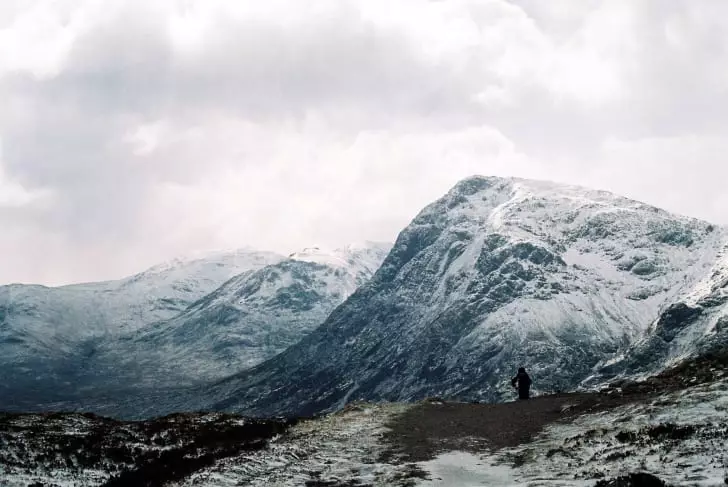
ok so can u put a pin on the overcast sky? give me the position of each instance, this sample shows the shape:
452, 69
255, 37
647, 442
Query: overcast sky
133, 131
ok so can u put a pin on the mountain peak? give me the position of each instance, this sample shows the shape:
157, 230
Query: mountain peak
522, 190
340, 257
218, 255
478, 183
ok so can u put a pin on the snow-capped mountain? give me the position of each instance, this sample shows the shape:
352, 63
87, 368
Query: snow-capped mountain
571, 283
497, 274
259, 312
250, 318
44, 330
51, 314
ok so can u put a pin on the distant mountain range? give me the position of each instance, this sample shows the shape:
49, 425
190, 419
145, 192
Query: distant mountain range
579, 286
176, 324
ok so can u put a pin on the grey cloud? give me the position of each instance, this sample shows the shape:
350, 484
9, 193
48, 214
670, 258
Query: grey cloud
672, 61
125, 71
68, 136
260, 70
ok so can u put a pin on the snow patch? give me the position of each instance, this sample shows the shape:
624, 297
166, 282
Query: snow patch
463, 469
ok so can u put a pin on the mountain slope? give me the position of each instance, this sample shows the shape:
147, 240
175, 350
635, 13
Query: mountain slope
693, 324
249, 319
497, 274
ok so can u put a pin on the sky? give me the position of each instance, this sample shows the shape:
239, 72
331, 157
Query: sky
132, 132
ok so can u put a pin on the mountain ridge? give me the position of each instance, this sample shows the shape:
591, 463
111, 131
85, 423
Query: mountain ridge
250, 318
196, 326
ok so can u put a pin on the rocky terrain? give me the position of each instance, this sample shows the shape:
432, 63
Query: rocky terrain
85, 449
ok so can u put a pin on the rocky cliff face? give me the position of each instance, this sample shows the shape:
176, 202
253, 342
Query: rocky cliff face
693, 323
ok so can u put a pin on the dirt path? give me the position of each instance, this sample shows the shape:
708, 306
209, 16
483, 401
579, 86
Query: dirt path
433, 427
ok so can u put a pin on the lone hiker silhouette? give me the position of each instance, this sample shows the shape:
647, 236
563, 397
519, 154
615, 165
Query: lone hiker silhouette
524, 383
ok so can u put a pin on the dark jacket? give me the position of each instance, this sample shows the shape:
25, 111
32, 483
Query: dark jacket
524, 384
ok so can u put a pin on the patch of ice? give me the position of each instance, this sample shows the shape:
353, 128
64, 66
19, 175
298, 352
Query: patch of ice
464, 469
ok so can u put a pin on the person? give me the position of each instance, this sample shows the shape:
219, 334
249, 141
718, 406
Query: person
523, 382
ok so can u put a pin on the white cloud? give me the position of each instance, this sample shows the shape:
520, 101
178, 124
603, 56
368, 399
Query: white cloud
176, 125
145, 138
13, 195
319, 184
685, 174
37, 36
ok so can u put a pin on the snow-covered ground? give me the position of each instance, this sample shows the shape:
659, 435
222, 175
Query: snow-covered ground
679, 437
343, 447
73, 450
